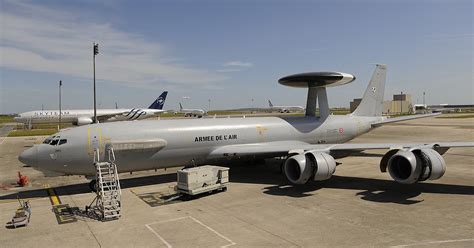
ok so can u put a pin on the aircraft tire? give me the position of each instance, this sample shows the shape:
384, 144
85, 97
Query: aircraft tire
93, 185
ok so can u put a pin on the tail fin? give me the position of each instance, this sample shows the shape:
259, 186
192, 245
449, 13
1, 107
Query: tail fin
180, 106
372, 101
159, 102
270, 104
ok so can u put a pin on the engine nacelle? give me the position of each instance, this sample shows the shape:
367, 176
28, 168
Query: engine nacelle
82, 121
317, 165
411, 166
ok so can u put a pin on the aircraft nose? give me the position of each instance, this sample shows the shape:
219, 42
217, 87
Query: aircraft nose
29, 156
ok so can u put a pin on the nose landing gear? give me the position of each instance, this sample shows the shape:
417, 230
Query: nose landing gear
93, 185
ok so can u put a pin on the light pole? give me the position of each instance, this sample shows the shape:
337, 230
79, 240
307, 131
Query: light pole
209, 108
95, 52
60, 84
401, 102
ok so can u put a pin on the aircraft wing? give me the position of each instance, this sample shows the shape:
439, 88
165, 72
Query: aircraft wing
105, 117
277, 148
130, 114
283, 148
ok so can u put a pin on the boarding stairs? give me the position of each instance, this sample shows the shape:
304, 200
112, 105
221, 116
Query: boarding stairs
107, 185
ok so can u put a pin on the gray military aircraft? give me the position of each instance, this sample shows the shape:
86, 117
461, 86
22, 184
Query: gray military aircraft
310, 143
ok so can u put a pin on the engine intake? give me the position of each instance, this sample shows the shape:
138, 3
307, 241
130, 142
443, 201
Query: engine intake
300, 168
82, 121
411, 166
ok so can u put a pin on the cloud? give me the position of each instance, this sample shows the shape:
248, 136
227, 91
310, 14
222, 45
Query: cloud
238, 64
235, 66
229, 70
40, 39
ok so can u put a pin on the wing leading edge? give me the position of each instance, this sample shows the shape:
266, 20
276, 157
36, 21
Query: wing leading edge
283, 148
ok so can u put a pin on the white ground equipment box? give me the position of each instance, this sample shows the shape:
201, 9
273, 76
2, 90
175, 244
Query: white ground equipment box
207, 178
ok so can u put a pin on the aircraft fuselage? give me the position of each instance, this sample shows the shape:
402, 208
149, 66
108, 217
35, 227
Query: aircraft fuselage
187, 142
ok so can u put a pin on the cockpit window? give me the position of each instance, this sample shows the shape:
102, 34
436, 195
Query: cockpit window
49, 139
54, 140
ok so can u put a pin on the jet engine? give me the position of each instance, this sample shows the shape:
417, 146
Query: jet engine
82, 121
300, 168
414, 165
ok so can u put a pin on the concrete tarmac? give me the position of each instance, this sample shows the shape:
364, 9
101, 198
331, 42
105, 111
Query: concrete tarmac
357, 207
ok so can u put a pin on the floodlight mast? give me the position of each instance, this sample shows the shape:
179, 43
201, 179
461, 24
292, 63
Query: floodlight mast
60, 114
95, 52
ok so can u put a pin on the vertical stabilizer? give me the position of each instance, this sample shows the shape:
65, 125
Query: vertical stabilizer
180, 106
372, 101
270, 104
159, 102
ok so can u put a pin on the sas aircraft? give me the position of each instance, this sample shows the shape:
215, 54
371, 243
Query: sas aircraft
81, 117
309, 143
284, 109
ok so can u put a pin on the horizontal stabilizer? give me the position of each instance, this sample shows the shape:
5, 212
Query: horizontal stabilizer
403, 118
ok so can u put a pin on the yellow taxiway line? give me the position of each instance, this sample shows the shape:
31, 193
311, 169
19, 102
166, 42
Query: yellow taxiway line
52, 195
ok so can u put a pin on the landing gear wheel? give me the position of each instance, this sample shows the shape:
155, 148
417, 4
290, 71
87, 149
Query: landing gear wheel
93, 185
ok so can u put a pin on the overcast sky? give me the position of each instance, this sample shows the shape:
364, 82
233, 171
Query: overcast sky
229, 51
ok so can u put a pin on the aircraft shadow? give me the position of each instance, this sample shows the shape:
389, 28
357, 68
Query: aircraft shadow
375, 190
83, 188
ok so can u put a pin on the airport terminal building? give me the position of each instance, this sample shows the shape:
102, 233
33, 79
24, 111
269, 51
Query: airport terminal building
400, 104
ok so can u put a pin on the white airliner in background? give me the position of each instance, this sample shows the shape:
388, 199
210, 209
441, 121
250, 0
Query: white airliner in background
81, 117
284, 109
191, 112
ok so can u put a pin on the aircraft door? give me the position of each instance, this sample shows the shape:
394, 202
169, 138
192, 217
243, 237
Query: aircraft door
95, 141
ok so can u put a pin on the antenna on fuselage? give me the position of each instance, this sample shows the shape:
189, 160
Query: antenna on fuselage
316, 82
